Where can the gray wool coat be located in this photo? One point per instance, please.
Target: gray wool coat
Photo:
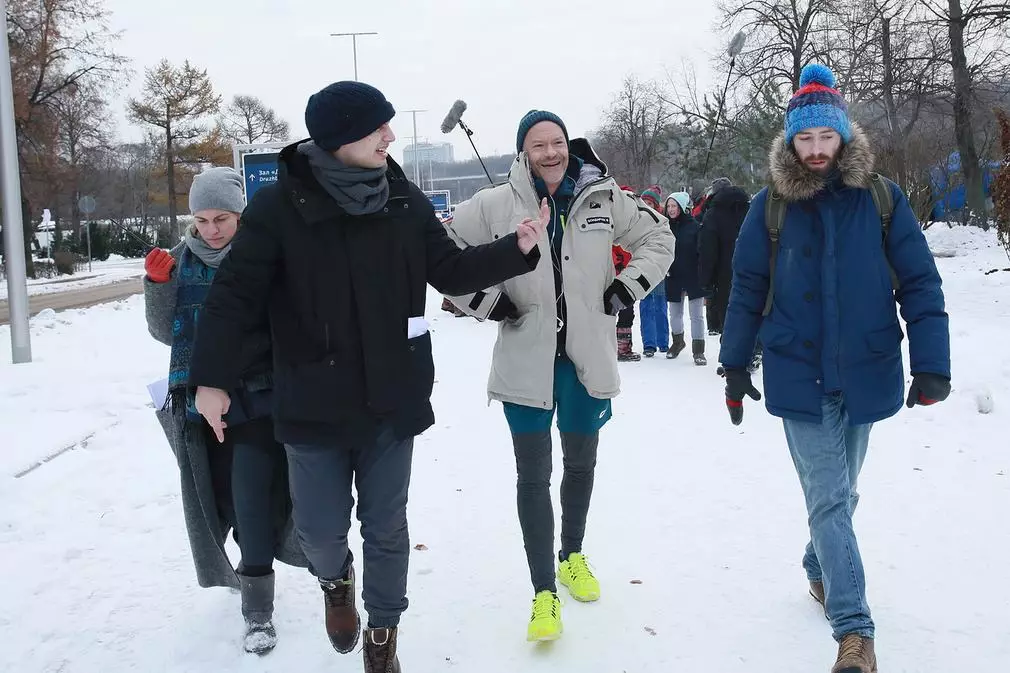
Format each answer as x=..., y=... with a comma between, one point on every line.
x=205, y=524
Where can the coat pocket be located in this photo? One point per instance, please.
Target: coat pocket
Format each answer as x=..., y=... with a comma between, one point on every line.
x=516, y=370
x=885, y=340
x=785, y=343
x=776, y=337
x=316, y=391
x=421, y=367
x=593, y=349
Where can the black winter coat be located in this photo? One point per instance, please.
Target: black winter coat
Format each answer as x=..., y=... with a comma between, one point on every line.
x=340, y=290
x=683, y=275
x=721, y=226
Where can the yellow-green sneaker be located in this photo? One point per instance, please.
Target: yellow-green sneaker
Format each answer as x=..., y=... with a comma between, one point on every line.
x=545, y=621
x=578, y=578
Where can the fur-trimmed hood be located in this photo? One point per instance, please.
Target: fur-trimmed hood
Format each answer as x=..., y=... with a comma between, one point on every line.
x=796, y=183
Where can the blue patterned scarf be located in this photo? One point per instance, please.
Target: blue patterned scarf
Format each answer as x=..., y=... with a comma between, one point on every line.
x=193, y=281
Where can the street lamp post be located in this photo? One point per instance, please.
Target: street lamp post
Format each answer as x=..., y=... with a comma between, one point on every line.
x=354, y=46
x=734, y=49
x=417, y=163
x=10, y=195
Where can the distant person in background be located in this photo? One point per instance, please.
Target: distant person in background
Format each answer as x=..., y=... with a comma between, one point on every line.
x=724, y=213
x=822, y=297
x=682, y=280
x=653, y=321
x=626, y=318
x=239, y=480
x=702, y=203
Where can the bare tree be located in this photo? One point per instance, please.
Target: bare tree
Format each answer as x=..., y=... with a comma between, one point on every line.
x=1001, y=183
x=54, y=45
x=783, y=36
x=631, y=134
x=175, y=100
x=891, y=67
x=247, y=120
x=82, y=115
x=977, y=33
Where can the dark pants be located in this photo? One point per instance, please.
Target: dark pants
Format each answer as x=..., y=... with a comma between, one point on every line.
x=626, y=318
x=536, y=513
x=321, y=478
x=711, y=319
x=246, y=468
x=718, y=304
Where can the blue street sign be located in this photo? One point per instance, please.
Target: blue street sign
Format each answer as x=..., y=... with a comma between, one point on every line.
x=258, y=169
x=439, y=201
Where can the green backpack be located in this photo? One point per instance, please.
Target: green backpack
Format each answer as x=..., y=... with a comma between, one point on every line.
x=775, y=218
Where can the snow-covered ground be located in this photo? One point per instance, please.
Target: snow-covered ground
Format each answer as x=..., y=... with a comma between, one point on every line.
x=708, y=517
x=112, y=270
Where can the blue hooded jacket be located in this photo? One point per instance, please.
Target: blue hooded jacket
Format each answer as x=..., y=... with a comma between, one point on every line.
x=834, y=324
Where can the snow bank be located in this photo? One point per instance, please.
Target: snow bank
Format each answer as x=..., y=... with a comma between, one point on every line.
x=102, y=273
x=696, y=531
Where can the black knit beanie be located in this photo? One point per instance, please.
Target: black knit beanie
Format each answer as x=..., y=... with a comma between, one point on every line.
x=345, y=112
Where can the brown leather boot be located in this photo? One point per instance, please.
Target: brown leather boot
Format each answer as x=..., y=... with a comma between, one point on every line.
x=343, y=625
x=855, y=655
x=817, y=591
x=380, y=651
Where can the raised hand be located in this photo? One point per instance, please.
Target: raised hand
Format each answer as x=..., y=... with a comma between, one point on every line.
x=530, y=231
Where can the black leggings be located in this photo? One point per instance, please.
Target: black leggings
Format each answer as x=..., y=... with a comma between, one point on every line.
x=247, y=471
x=626, y=318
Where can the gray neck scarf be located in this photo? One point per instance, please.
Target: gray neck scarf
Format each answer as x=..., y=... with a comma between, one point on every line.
x=210, y=256
x=358, y=191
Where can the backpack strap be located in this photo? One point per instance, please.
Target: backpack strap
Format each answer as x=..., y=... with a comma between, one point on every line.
x=883, y=199
x=775, y=217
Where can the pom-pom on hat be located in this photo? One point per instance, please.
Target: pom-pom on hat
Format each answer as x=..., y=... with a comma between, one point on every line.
x=653, y=195
x=817, y=103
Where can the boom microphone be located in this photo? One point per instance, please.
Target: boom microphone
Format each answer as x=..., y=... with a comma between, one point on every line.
x=454, y=119
x=454, y=116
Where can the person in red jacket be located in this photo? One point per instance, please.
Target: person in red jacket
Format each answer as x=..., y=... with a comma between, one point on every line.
x=626, y=318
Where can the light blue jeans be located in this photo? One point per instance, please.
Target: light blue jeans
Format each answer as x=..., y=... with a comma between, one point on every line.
x=828, y=457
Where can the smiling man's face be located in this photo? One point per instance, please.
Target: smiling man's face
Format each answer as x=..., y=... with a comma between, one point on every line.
x=547, y=149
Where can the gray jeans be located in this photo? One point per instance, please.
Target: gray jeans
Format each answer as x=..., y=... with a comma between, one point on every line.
x=321, y=478
x=696, y=309
x=536, y=512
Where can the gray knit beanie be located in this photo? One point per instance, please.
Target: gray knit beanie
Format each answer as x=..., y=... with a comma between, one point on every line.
x=218, y=188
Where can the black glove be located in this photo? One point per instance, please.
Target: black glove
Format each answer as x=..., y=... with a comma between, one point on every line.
x=617, y=298
x=927, y=389
x=503, y=309
x=738, y=386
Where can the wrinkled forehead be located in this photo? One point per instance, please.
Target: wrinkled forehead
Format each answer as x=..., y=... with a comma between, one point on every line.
x=545, y=131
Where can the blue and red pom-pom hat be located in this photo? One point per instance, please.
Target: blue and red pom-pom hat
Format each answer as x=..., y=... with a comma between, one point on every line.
x=817, y=103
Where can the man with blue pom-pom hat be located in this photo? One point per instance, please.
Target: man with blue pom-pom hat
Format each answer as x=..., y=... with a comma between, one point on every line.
x=827, y=254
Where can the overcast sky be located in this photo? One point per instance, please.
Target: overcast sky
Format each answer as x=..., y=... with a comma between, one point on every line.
x=502, y=58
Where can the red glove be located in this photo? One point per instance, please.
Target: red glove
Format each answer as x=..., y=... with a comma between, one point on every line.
x=159, y=265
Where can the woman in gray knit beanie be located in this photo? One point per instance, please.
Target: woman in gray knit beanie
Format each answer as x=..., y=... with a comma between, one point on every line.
x=235, y=480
